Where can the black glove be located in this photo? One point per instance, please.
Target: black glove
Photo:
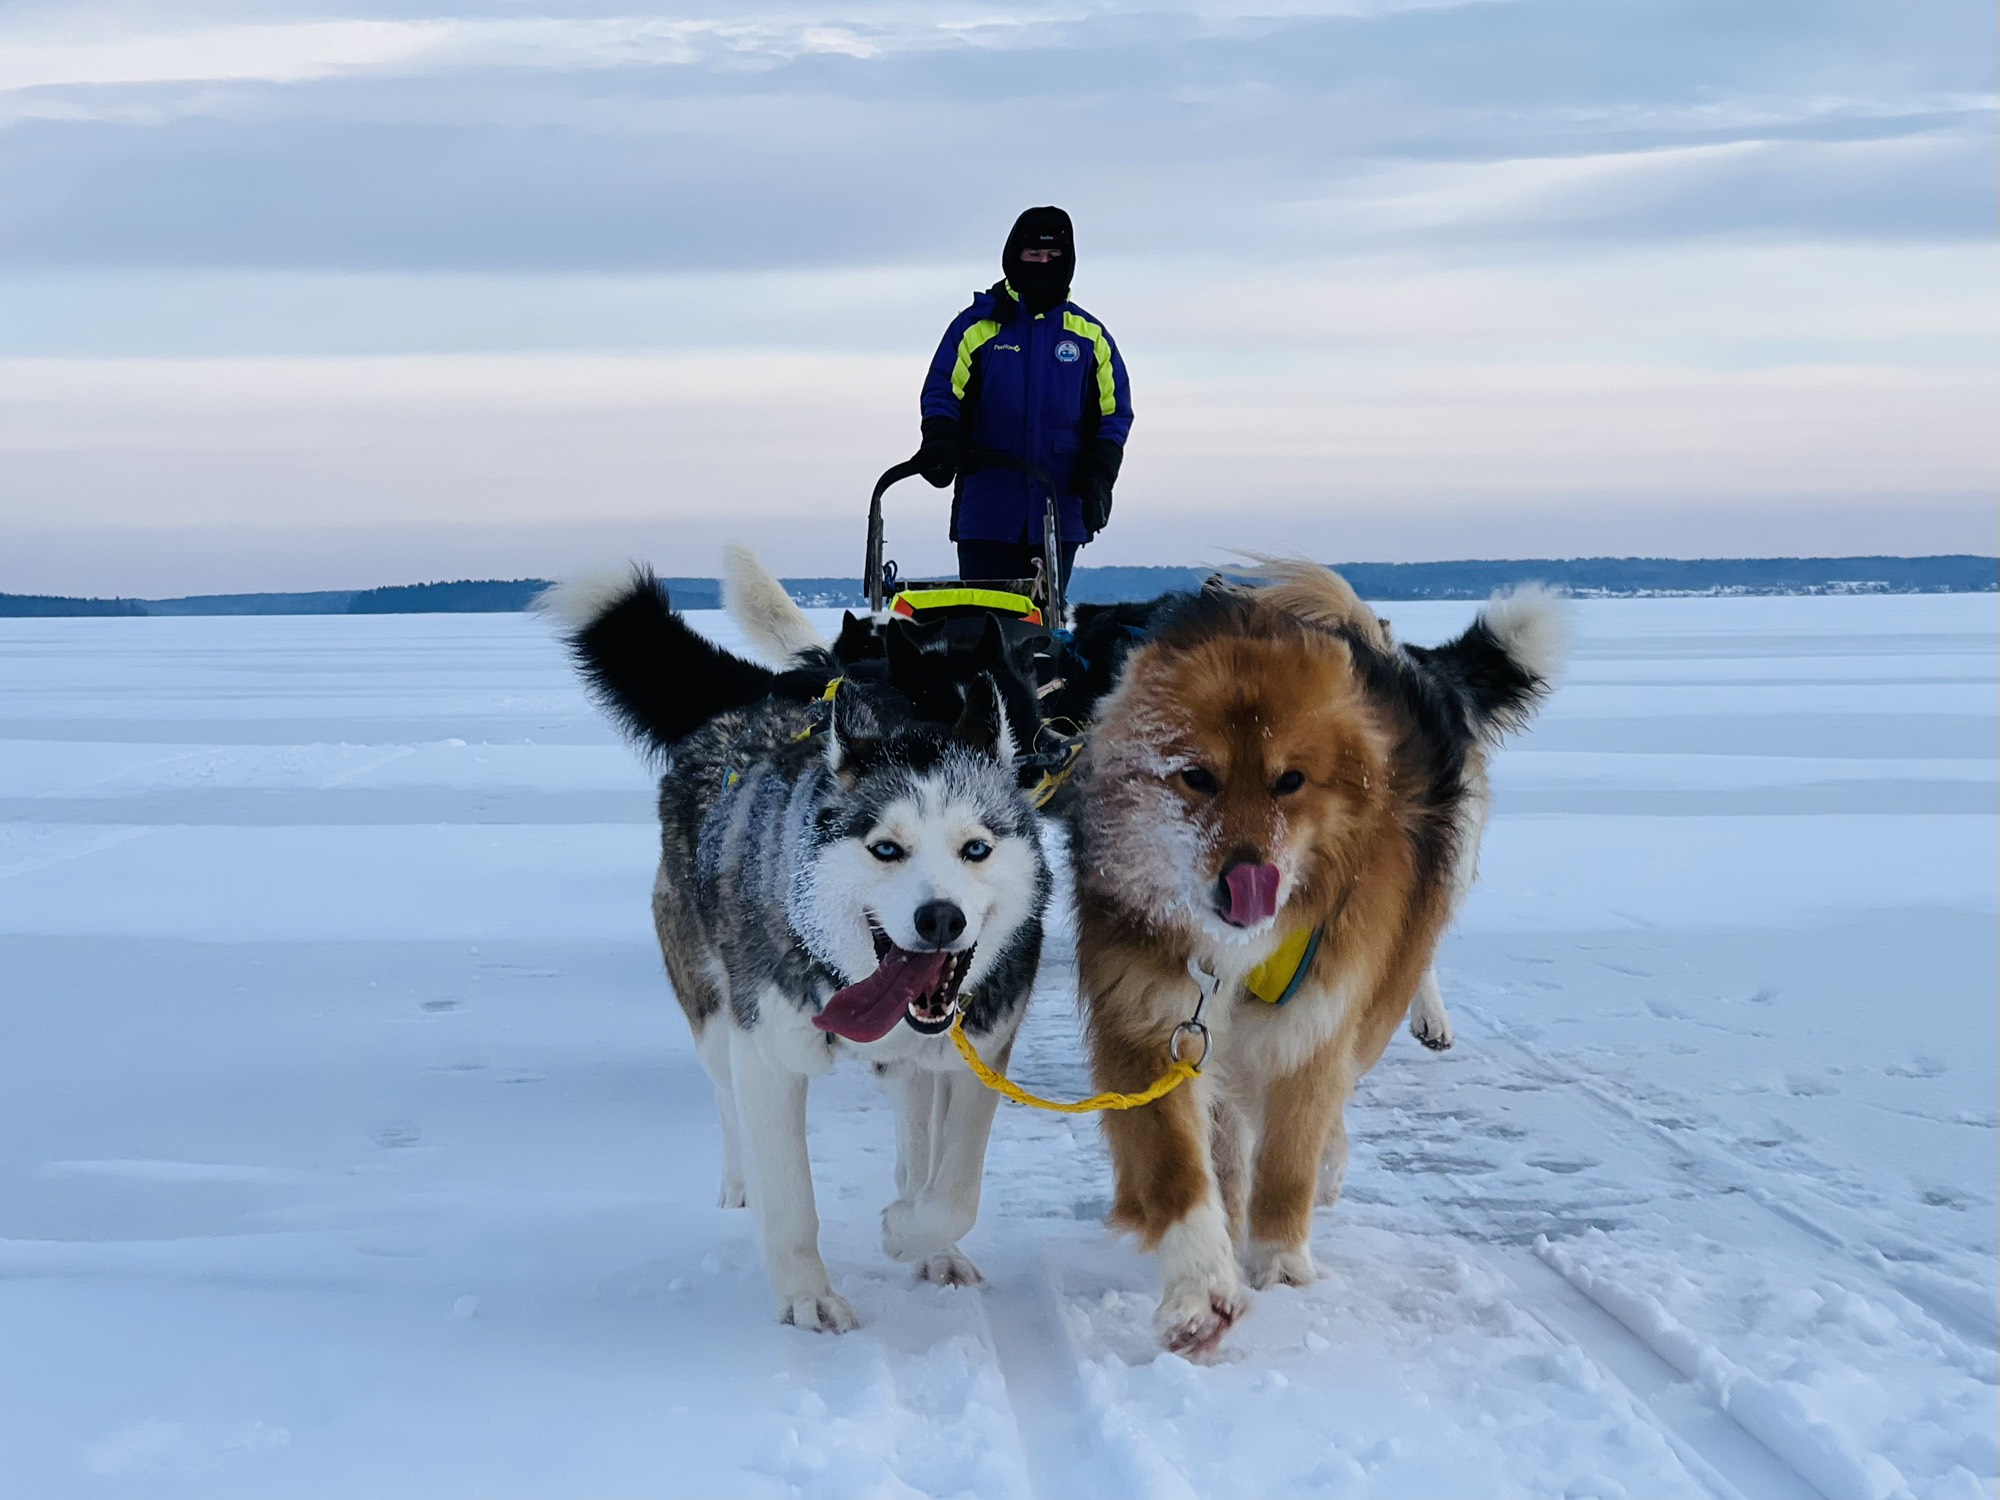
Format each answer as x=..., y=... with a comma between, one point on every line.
x=1094, y=478
x=939, y=452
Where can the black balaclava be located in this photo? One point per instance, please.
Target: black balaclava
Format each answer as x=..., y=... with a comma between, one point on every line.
x=1043, y=286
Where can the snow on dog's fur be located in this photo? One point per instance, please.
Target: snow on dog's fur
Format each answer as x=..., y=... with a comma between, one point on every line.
x=835, y=876
x=1271, y=763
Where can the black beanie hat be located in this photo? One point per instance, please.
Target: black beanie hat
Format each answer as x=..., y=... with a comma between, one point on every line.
x=1044, y=285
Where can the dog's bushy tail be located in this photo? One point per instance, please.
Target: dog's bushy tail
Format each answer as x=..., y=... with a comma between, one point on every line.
x=1316, y=595
x=775, y=626
x=1508, y=662
x=650, y=670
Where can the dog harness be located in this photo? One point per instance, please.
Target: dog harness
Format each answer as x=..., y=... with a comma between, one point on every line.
x=1278, y=977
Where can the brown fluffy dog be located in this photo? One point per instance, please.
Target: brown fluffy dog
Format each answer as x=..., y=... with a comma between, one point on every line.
x=1272, y=765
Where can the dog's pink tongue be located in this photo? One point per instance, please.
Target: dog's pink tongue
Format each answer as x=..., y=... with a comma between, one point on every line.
x=869, y=1011
x=1253, y=893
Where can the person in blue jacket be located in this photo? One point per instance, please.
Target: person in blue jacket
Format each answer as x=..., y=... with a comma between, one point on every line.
x=1024, y=371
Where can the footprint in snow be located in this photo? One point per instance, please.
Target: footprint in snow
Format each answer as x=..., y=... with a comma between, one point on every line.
x=1917, y=1067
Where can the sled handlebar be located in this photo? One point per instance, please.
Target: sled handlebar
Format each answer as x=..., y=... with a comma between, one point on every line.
x=973, y=459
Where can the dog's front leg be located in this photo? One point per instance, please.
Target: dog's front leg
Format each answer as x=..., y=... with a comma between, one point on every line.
x=1166, y=1192
x=713, y=1046
x=1301, y=1114
x=915, y=1096
x=771, y=1103
x=941, y=1204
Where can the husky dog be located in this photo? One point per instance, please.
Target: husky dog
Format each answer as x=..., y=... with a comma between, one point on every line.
x=1272, y=812
x=837, y=875
x=1087, y=668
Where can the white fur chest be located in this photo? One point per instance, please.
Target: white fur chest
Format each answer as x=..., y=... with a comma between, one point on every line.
x=1256, y=1039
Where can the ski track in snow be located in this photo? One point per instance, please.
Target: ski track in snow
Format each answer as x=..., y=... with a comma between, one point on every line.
x=350, y=1143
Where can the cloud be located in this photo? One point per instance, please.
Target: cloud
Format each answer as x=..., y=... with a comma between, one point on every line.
x=573, y=143
x=1719, y=304
x=1903, y=187
x=1527, y=275
x=479, y=440
x=305, y=51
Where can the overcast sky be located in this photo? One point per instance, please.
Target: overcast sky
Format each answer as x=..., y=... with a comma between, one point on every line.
x=295, y=297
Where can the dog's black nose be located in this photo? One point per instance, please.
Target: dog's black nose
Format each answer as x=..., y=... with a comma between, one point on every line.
x=939, y=923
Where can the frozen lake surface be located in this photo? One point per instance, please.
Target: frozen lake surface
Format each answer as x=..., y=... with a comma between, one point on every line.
x=351, y=1145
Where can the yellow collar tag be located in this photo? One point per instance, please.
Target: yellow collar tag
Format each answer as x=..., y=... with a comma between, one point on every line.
x=1278, y=977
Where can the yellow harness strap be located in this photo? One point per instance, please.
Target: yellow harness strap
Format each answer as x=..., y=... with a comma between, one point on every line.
x=813, y=728
x=1044, y=791
x=1278, y=977
x=1176, y=1075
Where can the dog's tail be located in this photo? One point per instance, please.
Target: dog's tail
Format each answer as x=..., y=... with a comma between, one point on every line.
x=1316, y=595
x=1507, y=663
x=652, y=672
x=777, y=629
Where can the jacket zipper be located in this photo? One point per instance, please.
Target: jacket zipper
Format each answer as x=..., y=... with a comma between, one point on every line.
x=1032, y=412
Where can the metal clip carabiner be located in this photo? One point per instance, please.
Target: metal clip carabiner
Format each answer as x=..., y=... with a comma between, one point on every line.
x=1205, y=985
x=1189, y=1028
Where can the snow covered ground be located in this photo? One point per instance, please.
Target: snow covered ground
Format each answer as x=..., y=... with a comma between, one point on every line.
x=351, y=1146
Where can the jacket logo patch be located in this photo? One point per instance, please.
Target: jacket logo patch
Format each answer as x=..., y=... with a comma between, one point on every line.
x=1007, y=348
x=1069, y=351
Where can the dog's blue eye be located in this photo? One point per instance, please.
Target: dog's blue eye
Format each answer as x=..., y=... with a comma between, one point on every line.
x=1288, y=783
x=886, y=850
x=1200, y=779
x=975, y=850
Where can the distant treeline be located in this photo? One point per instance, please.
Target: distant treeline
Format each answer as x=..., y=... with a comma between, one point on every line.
x=1604, y=577
x=41, y=606
x=1585, y=577
x=465, y=596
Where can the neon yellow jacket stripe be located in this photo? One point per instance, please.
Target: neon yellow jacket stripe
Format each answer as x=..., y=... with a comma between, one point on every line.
x=969, y=344
x=1107, y=380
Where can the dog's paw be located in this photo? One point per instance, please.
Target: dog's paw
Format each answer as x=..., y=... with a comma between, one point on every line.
x=949, y=1268
x=1192, y=1319
x=1431, y=1025
x=818, y=1312
x=733, y=1194
x=1278, y=1265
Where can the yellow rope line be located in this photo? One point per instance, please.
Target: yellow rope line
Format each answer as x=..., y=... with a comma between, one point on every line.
x=1176, y=1075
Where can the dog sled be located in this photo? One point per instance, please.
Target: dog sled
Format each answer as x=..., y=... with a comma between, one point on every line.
x=1038, y=599
x=1032, y=613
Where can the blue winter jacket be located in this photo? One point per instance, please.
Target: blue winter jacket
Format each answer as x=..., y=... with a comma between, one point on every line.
x=1041, y=386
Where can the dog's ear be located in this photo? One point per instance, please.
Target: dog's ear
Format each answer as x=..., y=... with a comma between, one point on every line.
x=983, y=725
x=860, y=638
x=853, y=729
x=992, y=651
x=903, y=650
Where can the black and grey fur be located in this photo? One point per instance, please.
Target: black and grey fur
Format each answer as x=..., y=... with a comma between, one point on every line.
x=776, y=889
x=1487, y=683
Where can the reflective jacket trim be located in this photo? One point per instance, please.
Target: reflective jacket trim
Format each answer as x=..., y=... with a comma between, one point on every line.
x=1107, y=380
x=970, y=342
